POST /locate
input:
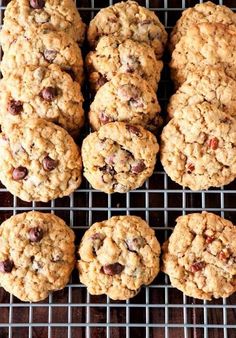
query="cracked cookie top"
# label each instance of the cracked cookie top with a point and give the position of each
(24, 15)
(42, 49)
(198, 147)
(45, 92)
(118, 256)
(119, 157)
(204, 45)
(204, 12)
(113, 56)
(128, 20)
(126, 98)
(39, 161)
(210, 84)
(200, 256)
(37, 255)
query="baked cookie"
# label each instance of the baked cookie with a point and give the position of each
(200, 256)
(39, 161)
(198, 148)
(119, 157)
(204, 12)
(42, 49)
(118, 256)
(126, 98)
(112, 57)
(24, 15)
(45, 92)
(37, 255)
(204, 45)
(128, 20)
(208, 84)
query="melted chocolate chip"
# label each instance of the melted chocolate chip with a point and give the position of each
(49, 55)
(49, 93)
(15, 107)
(97, 239)
(135, 244)
(198, 266)
(112, 269)
(138, 167)
(49, 164)
(101, 81)
(35, 234)
(104, 118)
(108, 169)
(6, 266)
(19, 173)
(37, 4)
(134, 130)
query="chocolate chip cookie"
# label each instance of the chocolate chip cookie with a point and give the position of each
(204, 45)
(118, 256)
(113, 56)
(37, 255)
(119, 157)
(128, 20)
(204, 12)
(24, 15)
(45, 92)
(198, 148)
(42, 49)
(126, 98)
(39, 161)
(200, 256)
(209, 84)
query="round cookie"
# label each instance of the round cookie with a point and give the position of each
(118, 256)
(204, 45)
(128, 20)
(198, 147)
(42, 49)
(208, 84)
(24, 15)
(37, 255)
(200, 256)
(112, 57)
(126, 98)
(45, 92)
(119, 157)
(39, 161)
(203, 12)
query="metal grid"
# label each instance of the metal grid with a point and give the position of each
(159, 310)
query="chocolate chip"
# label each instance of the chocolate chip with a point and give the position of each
(138, 167)
(131, 63)
(6, 266)
(101, 81)
(37, 4)
(98, 239)
(35, 234)
(136, 103)
(128, 92)
(15, 107)
(49, 93)
(49, 164)
(19, 173)
(49, 55)
(110, 159)
(190, 168)
(134, 130)
(198, 266)
(209, 239)
(135, 244)
(104, 118)
(71, 73)
(213, 143)
(112, 269)
(108, 169)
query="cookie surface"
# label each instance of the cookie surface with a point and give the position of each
(39, 161)
(204, 12)
(112, 57)
(128, 20)
(24, 15)
(204, 45)
(119, 157)
(208, 84)
(118, 256)
(45, 92)
(200, 256)
(126, 98)
(42, 49)
(37, 255)
(198, 147)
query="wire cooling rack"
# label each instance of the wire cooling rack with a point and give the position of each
(159, 311)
